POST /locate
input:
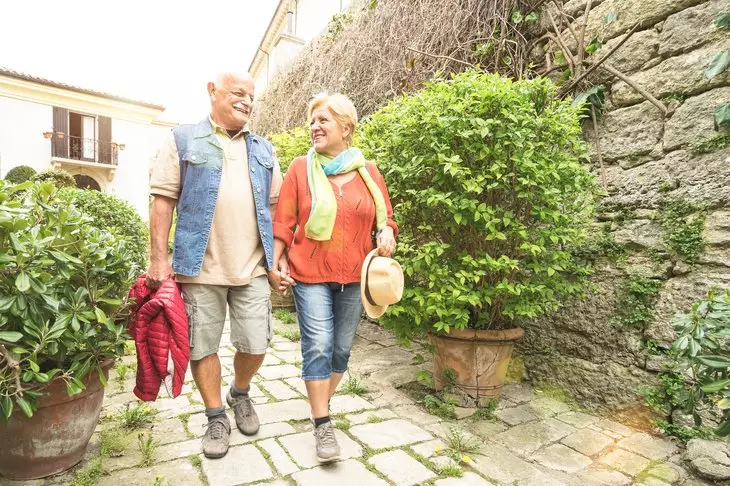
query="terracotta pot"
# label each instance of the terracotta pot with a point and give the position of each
(55, 438)
(282, 302)
(479, 359)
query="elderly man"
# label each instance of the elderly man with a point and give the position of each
(224, 182)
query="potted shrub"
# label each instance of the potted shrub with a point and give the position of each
(63, 287)
(491, 194)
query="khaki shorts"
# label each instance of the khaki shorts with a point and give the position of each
(250, 313)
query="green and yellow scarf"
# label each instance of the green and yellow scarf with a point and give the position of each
(321, 220)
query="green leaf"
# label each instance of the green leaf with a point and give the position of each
(714, 361)
(724, 403)
(718, 65)
(22, 282)
(722, 115)
(24, 406)
(516, 17)
(34, 366)
(716, 386)
(6, 404)
(722, 21)
(10, 336)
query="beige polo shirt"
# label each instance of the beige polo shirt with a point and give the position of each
(234, 254)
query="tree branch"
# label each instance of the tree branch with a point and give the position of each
(437, 56)
(636, 87)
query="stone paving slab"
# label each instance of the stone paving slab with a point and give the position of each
(298, 384)
(286, 346)
(348, 404)
(279, 371)
(297, 409)
(400, 468)
(301, 447)
(562, 458)
(588, 442)
(283, 464)
(178, 450)
(271, 359)
(429, 449)
(370, 415)
(279, 390)
(348, 472)
(625, 461)
(602, 475)
(176, 472)
(527, 438)
(517, 415)
(391, 433)
(498, 463)
(289, 356)
(648, 446)
(578, 420)
(468, 479)
(265, 431)
(242, 464)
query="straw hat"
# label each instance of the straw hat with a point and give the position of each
(381, 283)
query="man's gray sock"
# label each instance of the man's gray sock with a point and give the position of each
(215, 412)
(236, 392)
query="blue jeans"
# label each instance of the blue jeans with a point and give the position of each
(328, 315)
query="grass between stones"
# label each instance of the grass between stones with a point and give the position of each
(137, 416)
(147, 447)
(353, 386)
(198, 464)
(290, 334)
(185, 419)
(285, 316)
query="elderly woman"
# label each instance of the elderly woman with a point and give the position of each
(330, 204)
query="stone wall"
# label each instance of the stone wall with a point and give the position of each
(649, 159)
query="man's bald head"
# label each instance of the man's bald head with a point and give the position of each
(231, 99)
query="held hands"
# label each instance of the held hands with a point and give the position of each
(279, 278)
(386, 242)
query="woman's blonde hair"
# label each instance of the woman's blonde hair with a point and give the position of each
(341, 107)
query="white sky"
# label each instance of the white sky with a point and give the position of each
(161, 51)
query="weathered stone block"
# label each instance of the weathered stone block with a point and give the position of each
(717, 229)
(680, 74)
(691, 28)
(577, 419)
(499, 464)
(629, 132)
(278, 371)
(603, 475)
(279, 457)
(468, 479)
(701, 178)
(639, 233)
(694, 120)
(517, 415)
(710, 459)
(614, 17)
(635, 53)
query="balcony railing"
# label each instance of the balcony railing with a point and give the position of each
(91, 150)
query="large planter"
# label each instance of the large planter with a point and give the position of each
(55, 438)
(479, 360)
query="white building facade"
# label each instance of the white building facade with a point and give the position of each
(294, 24)
(106, 142)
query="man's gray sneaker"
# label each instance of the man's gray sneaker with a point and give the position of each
(246, 419)
(327, 447)
(215, 440)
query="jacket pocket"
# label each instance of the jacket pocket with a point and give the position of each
(264, 160)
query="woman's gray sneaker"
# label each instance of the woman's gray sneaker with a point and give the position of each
(215, 440)
(246, 419)
(327, 447)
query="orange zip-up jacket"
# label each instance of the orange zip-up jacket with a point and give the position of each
(340, 258)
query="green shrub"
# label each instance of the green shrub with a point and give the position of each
(58, 177)
(63, 288)
(290, 145)
(490, 195)
(116, 216)
(20, 174)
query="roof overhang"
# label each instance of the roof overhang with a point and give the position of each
(270, 37)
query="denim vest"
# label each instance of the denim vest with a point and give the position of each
(201, 164)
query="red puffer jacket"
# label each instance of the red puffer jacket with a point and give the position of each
(159, 327)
